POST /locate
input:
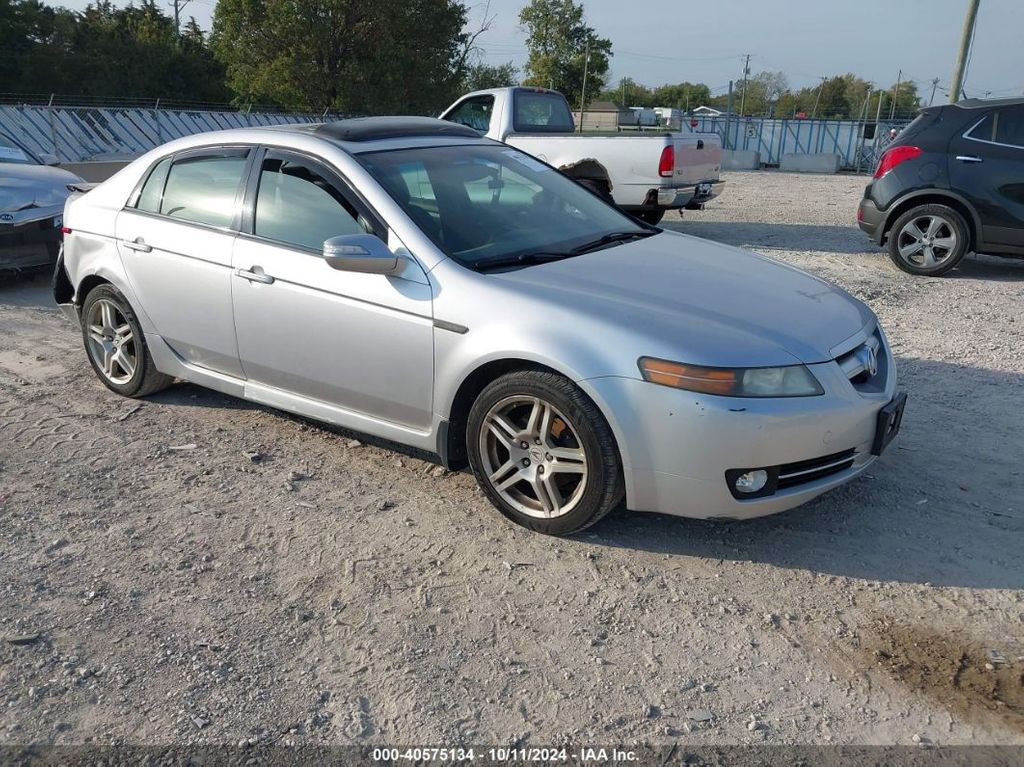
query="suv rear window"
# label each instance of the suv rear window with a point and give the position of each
(542, 112)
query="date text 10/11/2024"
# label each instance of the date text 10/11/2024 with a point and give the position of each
(592, 755)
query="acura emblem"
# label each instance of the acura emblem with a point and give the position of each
(869, 359)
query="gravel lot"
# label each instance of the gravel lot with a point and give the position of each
(193, 568)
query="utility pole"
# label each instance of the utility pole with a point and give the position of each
(583, 93)
(179, 6)
(896, 96)
(728, 116)
(935, 84)
(814, 112)
(746, 73)
(956, 87)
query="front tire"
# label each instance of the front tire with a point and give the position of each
(929, 240)
(543, 453)
(116, 346)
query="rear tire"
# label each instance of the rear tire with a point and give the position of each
(116, 345)
(652, 217)
(929, 240)
(543, 453)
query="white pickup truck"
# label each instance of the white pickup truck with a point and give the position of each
(645, 173)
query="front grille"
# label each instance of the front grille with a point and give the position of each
(867, 365)
(802, 472)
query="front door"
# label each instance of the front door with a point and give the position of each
(987, 166)
(362, 342)
(175, 240)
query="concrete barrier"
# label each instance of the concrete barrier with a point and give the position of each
(95, 172)
(738, 159)
(810, 163)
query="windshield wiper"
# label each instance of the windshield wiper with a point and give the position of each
(611, 238)
(524, 259)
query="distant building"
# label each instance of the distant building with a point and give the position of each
(703, 111)
(604, 115)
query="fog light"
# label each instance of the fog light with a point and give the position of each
(751, 482)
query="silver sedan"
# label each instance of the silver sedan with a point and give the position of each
(408, 279)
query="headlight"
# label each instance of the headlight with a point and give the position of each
(790, 381)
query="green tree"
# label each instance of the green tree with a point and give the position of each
(345, 55)
(558, 39)
(482, 76)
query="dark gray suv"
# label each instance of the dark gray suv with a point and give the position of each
(952, 183)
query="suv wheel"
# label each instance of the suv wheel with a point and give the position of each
(929, 240)
(543, 453)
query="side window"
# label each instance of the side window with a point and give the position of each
(1009, 127)
(153, 190)
(983, 130)
(297, 204)
(474, 112)
(203, 188)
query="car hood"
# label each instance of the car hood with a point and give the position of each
(713, 303)
(33, 186)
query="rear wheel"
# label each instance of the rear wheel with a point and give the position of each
(929, 240)
(543, 453)
(116, 346)
(652, 217)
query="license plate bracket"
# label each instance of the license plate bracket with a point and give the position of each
(888, 423)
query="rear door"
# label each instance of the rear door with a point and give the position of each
(175, 238)
(362, 342)
(986, 165)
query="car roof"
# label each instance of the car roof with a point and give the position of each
(984, 103)
(359, 134)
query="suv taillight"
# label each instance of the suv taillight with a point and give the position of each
(667, 163)
(894, 156)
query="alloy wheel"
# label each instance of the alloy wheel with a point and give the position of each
(927, 241)
(533, 457)
(112, 343)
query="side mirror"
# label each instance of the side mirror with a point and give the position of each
(360, 253)
(49, 159)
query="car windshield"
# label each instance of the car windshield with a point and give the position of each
(10, 152)
(485, 204)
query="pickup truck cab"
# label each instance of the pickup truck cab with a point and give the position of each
(645, 173)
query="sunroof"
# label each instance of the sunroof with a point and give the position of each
(377, 128)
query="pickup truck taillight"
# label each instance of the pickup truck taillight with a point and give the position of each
(667, 163)
(894, 156)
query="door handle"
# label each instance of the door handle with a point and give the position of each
(255, 276)
(700, 143)
(968, 158)
(138, 244)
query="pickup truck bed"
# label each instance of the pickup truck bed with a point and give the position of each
(644, 173)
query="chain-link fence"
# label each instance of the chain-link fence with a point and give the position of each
(77, 133)
(857, 143)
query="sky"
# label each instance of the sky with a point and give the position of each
(669, 41)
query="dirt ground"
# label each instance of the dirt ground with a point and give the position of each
(193, 568)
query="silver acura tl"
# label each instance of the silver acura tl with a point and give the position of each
(405, 278)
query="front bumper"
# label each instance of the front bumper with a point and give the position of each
(871, 220)
(29, 242)
(677, 446)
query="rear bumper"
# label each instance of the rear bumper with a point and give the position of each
(871, 220)
(676, 197)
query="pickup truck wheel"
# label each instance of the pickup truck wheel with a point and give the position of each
(598, 187)
(652, 217)
(543, 453)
